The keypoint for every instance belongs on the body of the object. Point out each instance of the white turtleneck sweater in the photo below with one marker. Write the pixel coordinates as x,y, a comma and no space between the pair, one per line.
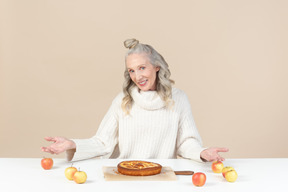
151,131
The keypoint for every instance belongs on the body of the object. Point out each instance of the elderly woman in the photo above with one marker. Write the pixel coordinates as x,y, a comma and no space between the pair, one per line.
149,119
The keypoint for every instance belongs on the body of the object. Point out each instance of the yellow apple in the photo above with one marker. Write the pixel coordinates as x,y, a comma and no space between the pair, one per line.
225,169
69,172
217,166
231,175
80,177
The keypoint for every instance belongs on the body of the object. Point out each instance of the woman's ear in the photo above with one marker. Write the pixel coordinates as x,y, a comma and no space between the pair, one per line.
157,68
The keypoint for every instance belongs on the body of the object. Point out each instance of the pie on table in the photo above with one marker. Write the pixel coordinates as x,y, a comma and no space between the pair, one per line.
139,168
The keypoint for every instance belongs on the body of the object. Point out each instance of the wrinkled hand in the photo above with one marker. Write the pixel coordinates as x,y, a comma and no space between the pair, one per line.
211,154
60,145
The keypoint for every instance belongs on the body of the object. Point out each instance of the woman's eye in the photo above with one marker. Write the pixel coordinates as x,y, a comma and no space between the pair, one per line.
142,68
131,71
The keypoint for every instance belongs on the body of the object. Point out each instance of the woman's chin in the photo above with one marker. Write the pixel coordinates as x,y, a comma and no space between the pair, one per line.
143,88
146,88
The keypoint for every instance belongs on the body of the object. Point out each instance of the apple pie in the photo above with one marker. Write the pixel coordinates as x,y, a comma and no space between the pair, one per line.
139,168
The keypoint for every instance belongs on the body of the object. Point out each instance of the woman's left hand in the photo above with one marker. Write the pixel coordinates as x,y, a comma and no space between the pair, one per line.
211,154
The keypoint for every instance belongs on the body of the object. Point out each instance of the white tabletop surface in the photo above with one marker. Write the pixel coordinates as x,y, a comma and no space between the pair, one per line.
26,174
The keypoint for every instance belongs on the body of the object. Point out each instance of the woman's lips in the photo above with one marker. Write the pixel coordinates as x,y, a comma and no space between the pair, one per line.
142,83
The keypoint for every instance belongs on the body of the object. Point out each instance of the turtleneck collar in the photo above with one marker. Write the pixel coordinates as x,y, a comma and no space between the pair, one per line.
149,100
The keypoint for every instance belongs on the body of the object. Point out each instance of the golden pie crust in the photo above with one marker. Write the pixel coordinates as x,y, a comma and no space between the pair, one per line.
139,168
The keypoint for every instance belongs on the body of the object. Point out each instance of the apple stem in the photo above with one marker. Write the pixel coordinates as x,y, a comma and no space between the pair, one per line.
71,164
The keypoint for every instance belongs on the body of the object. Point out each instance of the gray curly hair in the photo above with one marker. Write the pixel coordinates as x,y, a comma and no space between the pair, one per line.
163,81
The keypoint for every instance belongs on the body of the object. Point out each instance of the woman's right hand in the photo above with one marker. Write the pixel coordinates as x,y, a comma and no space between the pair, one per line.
60,145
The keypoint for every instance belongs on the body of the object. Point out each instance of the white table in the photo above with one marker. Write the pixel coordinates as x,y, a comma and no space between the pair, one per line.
26,174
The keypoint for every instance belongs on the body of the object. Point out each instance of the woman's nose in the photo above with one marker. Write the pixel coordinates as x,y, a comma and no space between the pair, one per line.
138,75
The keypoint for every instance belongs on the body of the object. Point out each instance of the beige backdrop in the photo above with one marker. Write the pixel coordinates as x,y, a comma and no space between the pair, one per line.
62,63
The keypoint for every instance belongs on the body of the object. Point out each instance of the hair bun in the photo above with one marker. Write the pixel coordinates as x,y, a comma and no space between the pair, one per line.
130,43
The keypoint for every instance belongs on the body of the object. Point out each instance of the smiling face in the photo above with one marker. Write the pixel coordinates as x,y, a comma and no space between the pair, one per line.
141,71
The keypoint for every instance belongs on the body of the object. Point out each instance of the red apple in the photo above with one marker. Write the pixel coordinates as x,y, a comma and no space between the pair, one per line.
217,166
47,163
199,179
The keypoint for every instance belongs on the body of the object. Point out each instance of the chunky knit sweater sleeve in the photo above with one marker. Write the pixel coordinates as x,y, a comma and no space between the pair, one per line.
105,140
189,143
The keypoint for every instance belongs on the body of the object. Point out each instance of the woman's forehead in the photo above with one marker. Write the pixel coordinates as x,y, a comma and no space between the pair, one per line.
134,60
